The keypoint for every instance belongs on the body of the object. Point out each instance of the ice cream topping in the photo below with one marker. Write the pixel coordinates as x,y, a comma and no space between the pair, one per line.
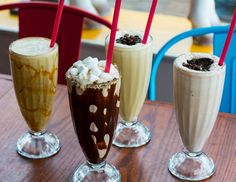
198,62
90,71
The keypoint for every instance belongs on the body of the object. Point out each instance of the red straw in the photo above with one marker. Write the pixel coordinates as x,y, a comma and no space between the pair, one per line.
228,39
57,23
149,22
112,35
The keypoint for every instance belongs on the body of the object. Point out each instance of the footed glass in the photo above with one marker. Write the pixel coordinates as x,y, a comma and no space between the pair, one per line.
134,63
197,98
96,172
34,68
191,166
131,134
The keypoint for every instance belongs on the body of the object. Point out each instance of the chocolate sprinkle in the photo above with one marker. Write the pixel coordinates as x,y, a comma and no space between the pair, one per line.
129,40
201,64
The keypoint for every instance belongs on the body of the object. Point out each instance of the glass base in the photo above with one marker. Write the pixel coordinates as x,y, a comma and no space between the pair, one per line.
38,145
131,135
96,172
191,166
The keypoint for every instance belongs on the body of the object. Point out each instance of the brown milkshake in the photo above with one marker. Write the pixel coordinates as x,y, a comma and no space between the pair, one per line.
34,67
94,104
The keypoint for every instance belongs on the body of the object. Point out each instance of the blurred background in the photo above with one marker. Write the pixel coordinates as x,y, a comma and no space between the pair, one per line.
168,7
180,8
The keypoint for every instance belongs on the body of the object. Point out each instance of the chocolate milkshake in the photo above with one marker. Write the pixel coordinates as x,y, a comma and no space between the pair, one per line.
94,104
198,87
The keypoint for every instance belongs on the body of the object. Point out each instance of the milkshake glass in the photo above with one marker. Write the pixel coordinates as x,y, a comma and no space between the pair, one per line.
134,62
34,67
197,98
94,104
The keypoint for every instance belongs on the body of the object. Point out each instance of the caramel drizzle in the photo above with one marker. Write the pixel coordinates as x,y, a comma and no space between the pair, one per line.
45,73
45,112
50,75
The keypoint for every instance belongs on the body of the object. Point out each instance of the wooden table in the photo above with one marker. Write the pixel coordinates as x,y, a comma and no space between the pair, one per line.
144,164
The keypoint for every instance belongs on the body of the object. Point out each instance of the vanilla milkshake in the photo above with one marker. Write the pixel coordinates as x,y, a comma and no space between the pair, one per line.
198,87
34,67
134,60
94,103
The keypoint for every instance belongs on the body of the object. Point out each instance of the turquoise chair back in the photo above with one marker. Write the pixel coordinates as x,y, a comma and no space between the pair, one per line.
228,103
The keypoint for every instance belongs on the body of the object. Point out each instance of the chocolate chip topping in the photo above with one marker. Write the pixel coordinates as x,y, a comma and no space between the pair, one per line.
129,40
201,64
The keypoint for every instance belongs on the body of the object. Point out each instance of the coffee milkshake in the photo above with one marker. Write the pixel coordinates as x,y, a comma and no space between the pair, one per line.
94,103
34,67
197,97
198,85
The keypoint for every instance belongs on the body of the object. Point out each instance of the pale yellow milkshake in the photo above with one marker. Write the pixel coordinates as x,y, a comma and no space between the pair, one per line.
34,68
134,62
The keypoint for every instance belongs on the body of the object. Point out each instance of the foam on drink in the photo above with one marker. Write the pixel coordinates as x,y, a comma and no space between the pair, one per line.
31,46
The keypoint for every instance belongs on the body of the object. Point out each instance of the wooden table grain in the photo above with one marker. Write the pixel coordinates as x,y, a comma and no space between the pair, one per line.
144,164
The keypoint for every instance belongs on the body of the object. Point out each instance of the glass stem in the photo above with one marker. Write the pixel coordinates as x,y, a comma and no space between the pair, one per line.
192,154
37,134
97,166
130,123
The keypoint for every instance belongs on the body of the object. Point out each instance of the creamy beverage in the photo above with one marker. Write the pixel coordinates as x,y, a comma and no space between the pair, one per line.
94,104
135,62
34,67
198,86
197,97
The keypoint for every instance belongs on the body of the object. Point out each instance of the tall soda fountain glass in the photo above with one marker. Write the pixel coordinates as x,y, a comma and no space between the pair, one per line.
94,104
198,87
34,67
134,60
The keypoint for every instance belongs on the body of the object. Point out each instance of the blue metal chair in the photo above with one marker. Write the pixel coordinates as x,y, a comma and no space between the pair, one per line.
228,103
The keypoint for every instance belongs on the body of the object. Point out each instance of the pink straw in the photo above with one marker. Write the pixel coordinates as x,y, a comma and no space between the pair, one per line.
228,39
112,35
149,22
57,23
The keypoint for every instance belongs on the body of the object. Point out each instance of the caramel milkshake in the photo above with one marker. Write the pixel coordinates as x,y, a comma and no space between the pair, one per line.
94,104
198,87
34,67
134,60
